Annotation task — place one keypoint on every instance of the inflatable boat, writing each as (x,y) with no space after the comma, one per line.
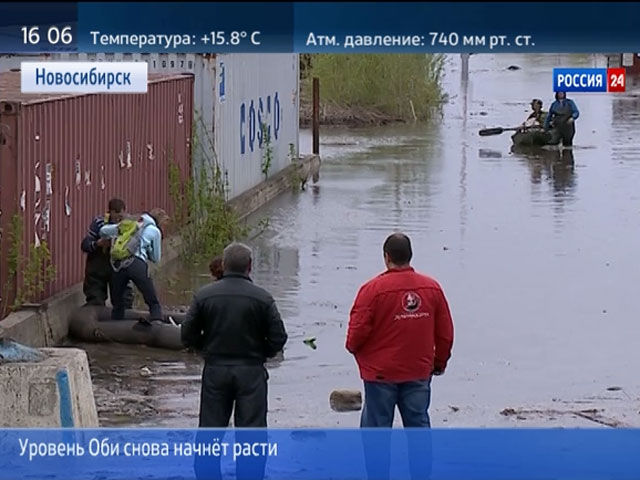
(532,137)
(94,324)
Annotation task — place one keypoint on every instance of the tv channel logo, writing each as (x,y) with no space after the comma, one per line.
(589,79)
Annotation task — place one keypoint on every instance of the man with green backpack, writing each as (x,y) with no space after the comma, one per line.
(135,242)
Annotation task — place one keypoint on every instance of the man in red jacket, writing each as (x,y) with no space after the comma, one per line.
(400,333)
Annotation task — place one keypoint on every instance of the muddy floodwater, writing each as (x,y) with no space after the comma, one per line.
(538,253)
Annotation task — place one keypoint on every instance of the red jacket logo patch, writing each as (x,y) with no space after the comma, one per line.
(411,302)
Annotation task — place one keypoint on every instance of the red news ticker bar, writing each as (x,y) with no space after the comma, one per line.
(616,79)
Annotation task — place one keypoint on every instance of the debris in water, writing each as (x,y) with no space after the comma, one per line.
(593,415)
(345,400)
(486,153)
(145,372)
(604,311)
(310,342)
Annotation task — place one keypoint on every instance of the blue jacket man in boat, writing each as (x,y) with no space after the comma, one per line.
(562,116)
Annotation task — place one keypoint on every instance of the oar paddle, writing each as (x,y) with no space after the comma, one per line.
(496,131)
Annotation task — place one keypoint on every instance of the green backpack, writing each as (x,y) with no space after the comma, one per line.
(127,243)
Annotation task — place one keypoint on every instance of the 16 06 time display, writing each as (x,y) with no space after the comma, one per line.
(54,35)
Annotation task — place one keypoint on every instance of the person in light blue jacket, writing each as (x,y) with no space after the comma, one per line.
(136,268)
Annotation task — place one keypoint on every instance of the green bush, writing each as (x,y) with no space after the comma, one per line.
(397,85)
(205,221)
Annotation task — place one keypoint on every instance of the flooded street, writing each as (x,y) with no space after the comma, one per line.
(538,254)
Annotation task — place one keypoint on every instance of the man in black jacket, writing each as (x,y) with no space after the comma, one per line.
(98,270)
(236,325)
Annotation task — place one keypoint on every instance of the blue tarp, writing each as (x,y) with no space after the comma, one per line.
(11,352)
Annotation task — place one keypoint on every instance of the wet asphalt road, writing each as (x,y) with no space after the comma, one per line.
(537,253)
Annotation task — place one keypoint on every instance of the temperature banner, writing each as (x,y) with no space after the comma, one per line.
(309,27)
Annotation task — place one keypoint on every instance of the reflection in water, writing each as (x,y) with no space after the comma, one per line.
(464,89)
(626,108)
(626,139)
(277,269)
(487,153)
(558,167)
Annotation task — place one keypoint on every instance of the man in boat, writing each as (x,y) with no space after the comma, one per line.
(562,116)
(537,116)
(532,130)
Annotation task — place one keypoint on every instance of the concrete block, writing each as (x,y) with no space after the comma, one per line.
(47,325)
(25,327)
(54,315)
(56,392)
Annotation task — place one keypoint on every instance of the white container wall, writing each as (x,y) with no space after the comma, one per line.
(255,94)
(236,96)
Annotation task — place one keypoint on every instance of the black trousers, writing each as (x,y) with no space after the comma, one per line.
(223,387)
(138,273)
(98,282)
(564,132)
(226,386)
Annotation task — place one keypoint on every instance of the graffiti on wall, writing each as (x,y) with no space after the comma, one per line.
(254,113)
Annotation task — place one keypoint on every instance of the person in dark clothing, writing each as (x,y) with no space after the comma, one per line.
(561,117)
(98,276)
(236,326)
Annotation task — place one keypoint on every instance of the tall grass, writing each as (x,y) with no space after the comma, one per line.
(395,85)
